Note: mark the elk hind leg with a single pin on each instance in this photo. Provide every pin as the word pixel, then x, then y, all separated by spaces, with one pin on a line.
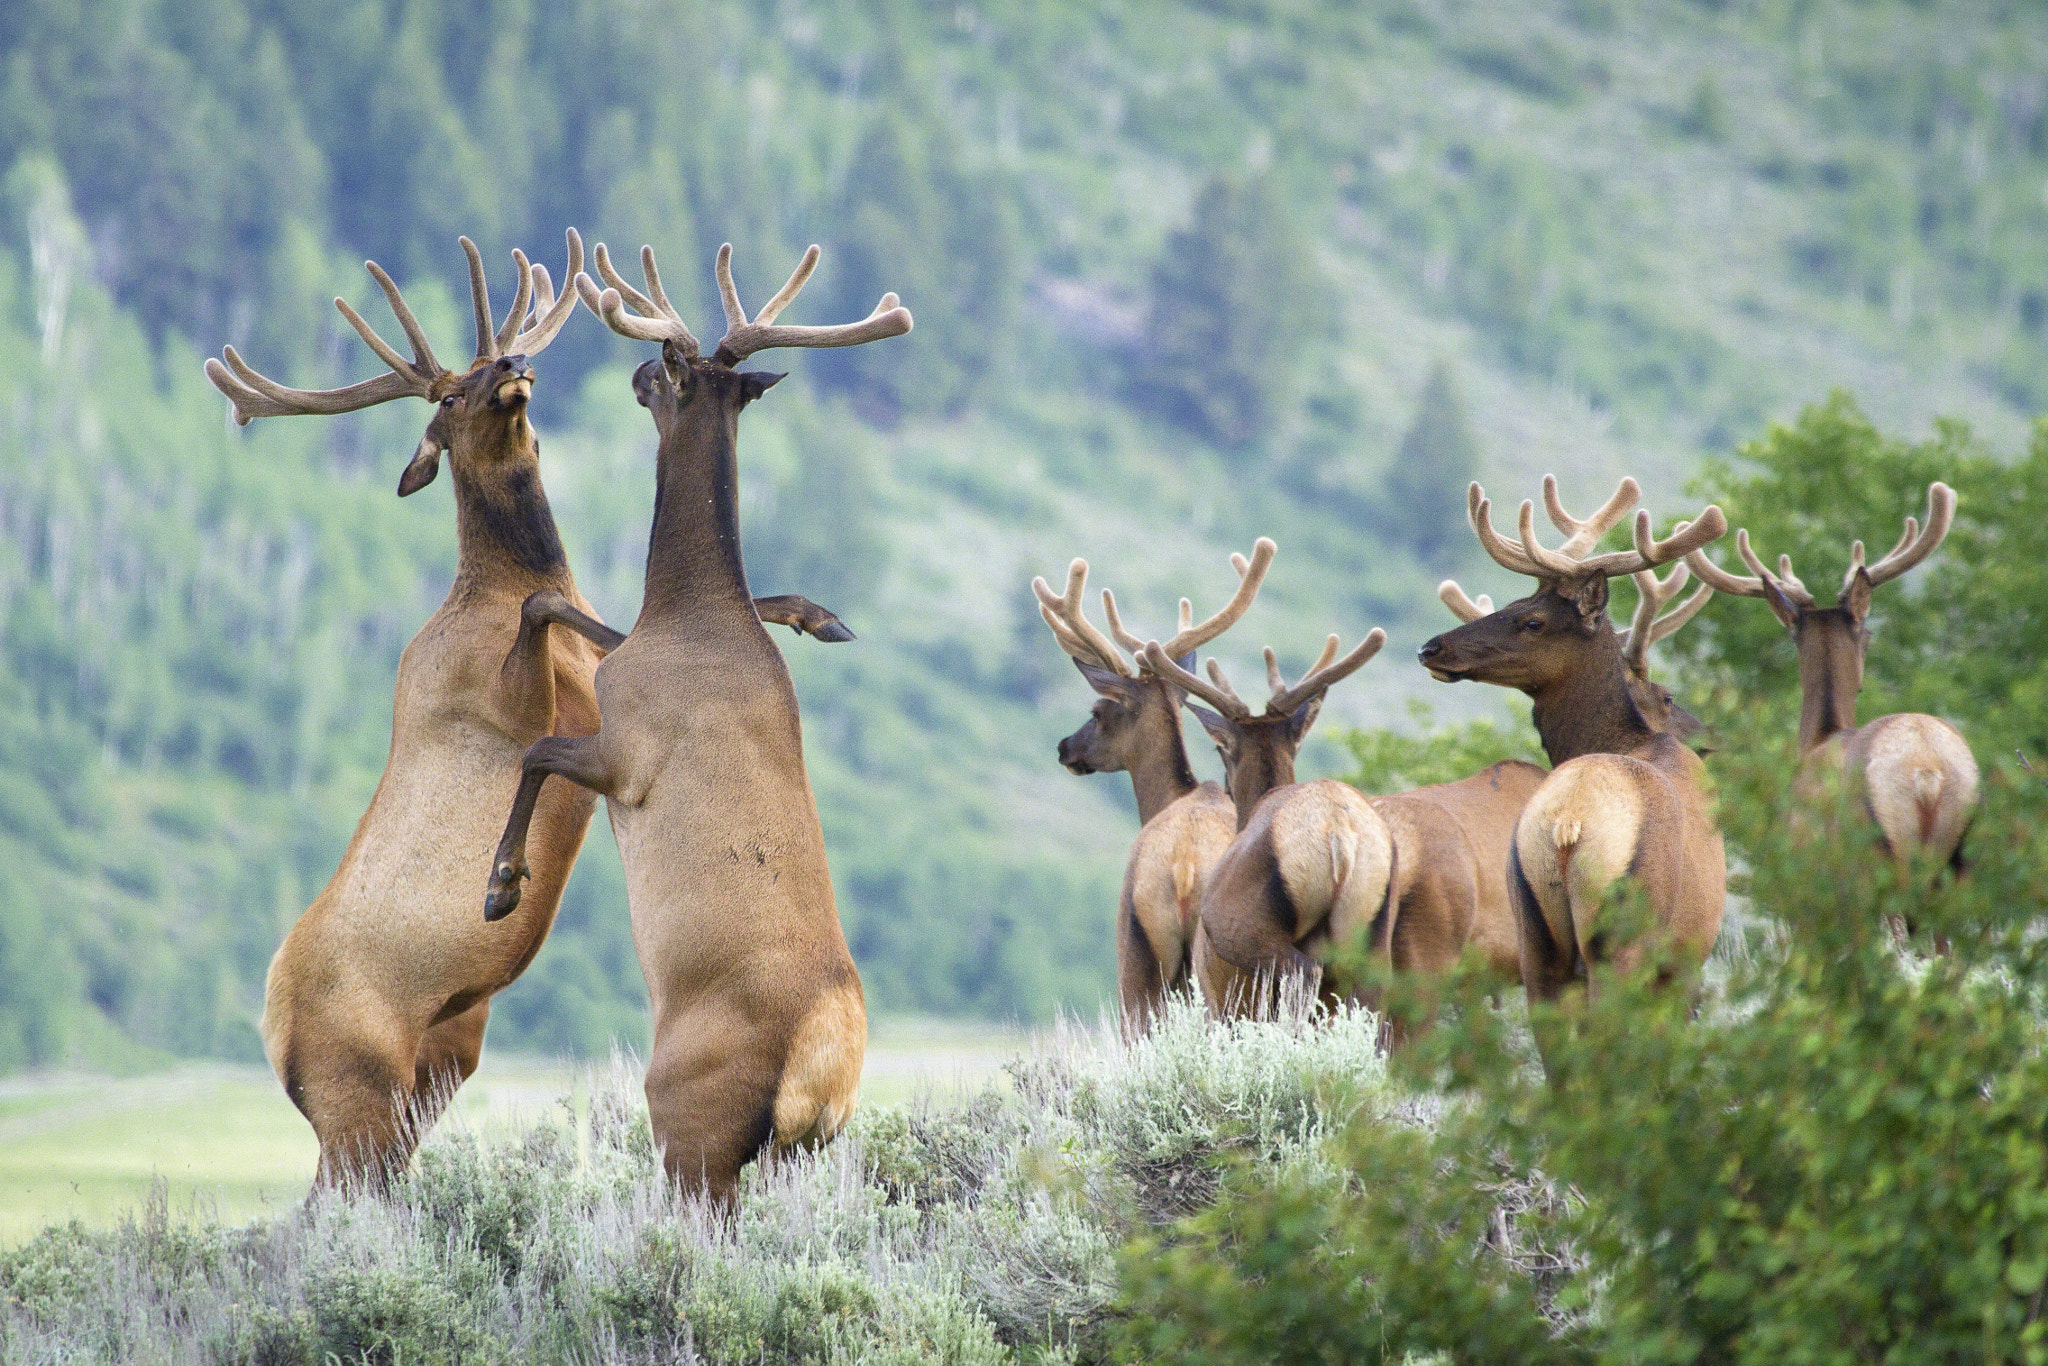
pixel 448 1055
pixel 356 1089
pixel 711 1104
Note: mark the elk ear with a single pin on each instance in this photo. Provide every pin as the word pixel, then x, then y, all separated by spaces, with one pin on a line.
pixel 1786 611
pixel 1856 594
pixel 1588 593
pixel 754 383
pixel 1303 717
pixel 1220 730
pixel 1110 684
pixel 643 381
pixel 424 465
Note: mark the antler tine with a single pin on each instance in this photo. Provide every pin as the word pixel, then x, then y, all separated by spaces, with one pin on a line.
pixel 1326 674
pixel 1941 510
pixel 1647 628
pixel 1720 579
pixel 1251 575
pixel 1785 581
pixel 789 289
pixel 255 396
pixel 551 311
pixel 743 338
pixel 657 320
pixel 1218 694
pixel 1583 536
pixel 522 298
pixel 1668 625
pixel 1479 510
pixel 1549 561
pixel 479 299
pixel 423 361
pixel 1072 623
pixel 1462 607
pixel 1649 552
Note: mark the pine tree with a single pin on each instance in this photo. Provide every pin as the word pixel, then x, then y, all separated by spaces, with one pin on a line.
pixel 1425 486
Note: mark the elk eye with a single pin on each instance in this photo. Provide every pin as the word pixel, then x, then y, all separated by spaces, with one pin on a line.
pixel 449 402
pixel 1533 624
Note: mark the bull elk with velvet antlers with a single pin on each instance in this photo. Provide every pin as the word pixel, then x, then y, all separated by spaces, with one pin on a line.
pixel 376 1002
pixel 1625 799
pixel 1916 773
pixel 759 1022
pixel 1134 728
pixel 1309 865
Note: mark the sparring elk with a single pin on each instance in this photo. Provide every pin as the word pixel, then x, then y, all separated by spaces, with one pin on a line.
pixel 1624 798
pixel 1134 728
pixel 1916 773
pixel 759 1022
pixel 1309 865
pixel 1488 805
pixel 376 1002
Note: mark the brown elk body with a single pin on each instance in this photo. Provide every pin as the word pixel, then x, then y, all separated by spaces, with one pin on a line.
pixel 1135 727
pixel 759 1021
pixel 1625 799
pixel 1918 779
pixel 376 1002
pixel 1310 863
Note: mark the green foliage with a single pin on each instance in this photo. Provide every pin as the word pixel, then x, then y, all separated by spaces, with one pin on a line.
pixel 1395 760
pixel 1233 300
pixel 1956 637
pixel 1425 485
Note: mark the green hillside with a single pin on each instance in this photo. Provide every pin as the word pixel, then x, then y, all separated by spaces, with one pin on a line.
pixel 1183 275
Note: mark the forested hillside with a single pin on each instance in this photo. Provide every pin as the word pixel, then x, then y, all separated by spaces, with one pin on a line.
pixel 1184 274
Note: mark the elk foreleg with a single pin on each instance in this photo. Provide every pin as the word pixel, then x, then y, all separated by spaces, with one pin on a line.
pixel 577 758
pixel 803 616
pixel 526 680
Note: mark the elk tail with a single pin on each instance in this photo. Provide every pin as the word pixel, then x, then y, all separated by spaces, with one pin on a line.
pixel 1927 788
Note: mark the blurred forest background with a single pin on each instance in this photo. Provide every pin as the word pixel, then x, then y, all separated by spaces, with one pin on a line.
pixel 1184 274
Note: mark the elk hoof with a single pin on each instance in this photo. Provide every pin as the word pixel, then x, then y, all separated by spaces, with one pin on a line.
pixel 833 630
pixel 502 898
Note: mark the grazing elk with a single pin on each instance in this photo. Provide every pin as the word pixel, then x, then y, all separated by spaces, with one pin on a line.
pixel 1309 865
pixel 759 1022
pixel 1134 728
pixel 1624 799
pixel 376 1002
pixel 1918 777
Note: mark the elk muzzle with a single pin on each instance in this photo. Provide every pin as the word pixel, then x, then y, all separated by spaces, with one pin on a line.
pixel 511 382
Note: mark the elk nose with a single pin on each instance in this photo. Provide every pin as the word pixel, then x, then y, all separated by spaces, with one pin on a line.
pixel 1431 648
pixel 514 366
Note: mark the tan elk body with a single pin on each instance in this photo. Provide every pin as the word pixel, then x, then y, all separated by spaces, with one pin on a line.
pixel 1915 772
pixel 1310 862
pixel 1134 727
pixel 1624 799
pixel 759 1022
pixel 376 1002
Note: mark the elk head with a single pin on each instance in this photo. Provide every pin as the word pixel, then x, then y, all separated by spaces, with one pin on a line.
pixel 1258 748
pixel 1831 640
pixel 1557 644
pixel 479 414
pixel 682 386
pixel 1135 705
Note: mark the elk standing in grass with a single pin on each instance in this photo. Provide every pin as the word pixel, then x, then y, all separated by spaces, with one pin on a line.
pixel 1135 728
pixel 1309 865
pixel 1624 799
pixel 377 1000
pixel 759 1023
pixel 1917 775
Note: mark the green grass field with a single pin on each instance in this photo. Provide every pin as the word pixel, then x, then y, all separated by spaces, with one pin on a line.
pixel 224 1141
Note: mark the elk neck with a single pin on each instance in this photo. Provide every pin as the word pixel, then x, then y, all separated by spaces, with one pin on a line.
pixel 1160 772
pixel 693 548
pixel 1830 674
pixel 1588 708
pixel 1265 760
pixel 504 527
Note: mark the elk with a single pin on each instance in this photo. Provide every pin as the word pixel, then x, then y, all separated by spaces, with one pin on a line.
pixel 376 1002
pixel 759 1022
pixel 1134 728
pixel 1309 865
pixel 1917 775
pixel 1489 804
pixel 1624 798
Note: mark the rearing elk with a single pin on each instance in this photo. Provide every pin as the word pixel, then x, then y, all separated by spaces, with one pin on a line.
pixel 377 1000
pixel 1310 863
pixel 1135 728
pixel 1624 799
pixel 1918 777
pixel 759 1023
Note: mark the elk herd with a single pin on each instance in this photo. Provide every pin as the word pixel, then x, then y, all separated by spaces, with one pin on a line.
pixel 687 725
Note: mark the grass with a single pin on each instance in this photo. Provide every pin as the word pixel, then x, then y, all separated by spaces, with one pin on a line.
pixel 977 1227
pixel 226 1144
